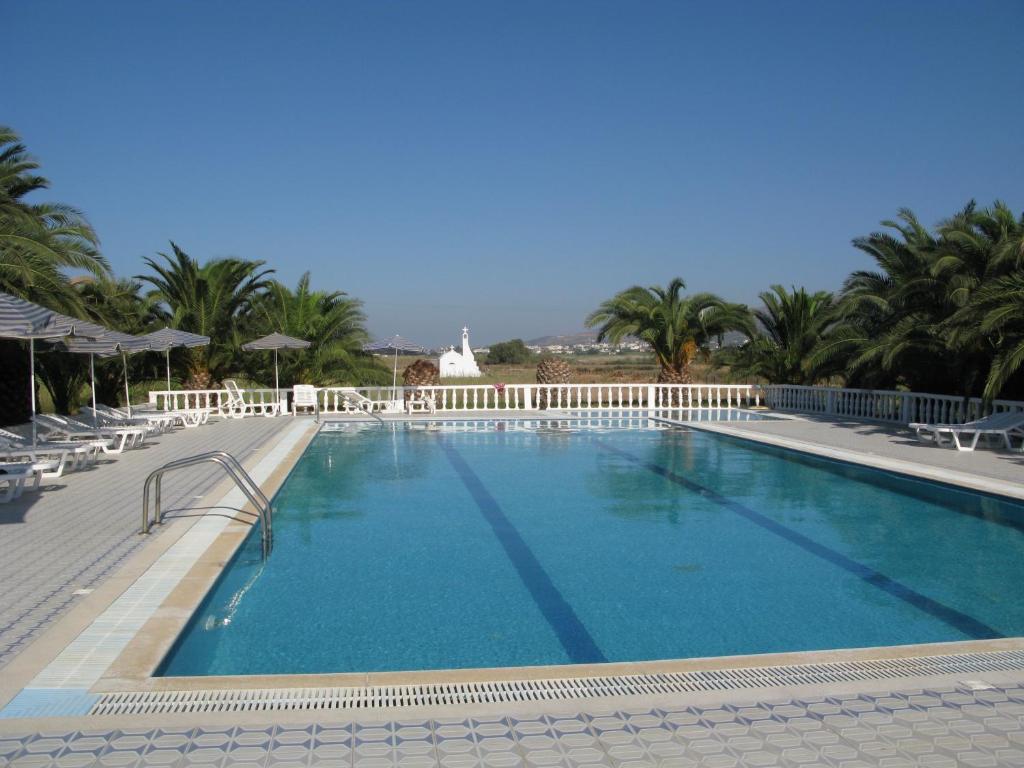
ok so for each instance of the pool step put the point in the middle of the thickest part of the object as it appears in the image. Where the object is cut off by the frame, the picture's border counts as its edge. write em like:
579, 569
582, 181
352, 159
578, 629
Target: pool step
560, 689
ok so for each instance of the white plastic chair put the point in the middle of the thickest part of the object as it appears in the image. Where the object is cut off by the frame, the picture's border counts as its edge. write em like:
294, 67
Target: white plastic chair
303, 396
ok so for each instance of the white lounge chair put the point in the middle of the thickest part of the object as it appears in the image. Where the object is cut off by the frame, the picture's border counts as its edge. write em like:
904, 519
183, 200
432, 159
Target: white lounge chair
421, 402
77, 454
303, 396
355, 402
110, 440
15, 476
136, 433
114, 421
51, 462
966, 437
185, 417
236, 406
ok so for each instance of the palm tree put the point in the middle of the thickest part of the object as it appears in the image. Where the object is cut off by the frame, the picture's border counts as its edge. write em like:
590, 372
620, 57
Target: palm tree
676, 327
791, 324
889, 329
39, 240
38, 243
995, 314
334, 324
211, 299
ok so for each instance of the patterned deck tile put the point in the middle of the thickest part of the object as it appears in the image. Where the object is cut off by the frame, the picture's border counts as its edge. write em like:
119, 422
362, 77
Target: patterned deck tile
60, 555
890, 730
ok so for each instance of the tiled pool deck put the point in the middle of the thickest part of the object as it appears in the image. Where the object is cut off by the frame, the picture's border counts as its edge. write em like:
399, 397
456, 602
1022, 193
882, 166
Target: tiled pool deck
940, 727
47, 552
81, 527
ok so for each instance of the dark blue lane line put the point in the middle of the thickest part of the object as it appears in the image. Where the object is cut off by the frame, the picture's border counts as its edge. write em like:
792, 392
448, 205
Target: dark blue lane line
959, 621
573, 636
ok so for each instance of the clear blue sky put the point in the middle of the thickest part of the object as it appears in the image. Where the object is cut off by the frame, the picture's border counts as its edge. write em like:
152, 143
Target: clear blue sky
508, 165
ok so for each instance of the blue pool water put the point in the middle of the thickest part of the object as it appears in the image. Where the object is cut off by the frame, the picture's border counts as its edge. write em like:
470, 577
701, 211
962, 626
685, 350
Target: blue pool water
492, 544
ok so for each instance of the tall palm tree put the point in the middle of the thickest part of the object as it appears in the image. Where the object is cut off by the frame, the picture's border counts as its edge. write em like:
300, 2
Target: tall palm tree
918, 321
889, 329
211, 299
39, 242
333, 322
790, 325
676, 327
995, 314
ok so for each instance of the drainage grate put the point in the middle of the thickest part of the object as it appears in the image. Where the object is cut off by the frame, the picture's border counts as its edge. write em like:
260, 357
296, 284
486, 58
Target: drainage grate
388, 697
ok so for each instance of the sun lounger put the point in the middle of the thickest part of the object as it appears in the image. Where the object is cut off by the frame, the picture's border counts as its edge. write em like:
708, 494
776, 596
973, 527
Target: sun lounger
421, 402
354, 402
236, 406
111, 440
136, 434
15, 476
1001, 427
52, 463
105, 419
185, 417
80, 454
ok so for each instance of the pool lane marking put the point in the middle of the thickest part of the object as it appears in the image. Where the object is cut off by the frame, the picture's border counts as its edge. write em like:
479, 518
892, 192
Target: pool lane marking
954, 618
573, 636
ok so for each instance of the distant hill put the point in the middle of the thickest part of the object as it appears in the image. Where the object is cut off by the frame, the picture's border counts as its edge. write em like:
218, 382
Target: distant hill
583, 337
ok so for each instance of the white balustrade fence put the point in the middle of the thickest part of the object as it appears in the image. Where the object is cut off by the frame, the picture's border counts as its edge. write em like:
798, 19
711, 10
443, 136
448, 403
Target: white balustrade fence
890, 406
205, 399
574, 397
487, 397
883, 405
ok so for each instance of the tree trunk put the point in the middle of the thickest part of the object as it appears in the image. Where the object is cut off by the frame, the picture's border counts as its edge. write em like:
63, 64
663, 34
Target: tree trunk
674, 376
15, 402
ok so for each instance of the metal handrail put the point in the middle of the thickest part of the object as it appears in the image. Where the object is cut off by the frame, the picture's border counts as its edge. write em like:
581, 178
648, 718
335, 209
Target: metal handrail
374, 415
230, 464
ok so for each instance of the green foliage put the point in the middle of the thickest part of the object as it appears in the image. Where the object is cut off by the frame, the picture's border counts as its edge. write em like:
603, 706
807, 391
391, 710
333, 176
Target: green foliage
229, 300
676, 327
39, 241
330, 320
513, 352
790, 326
928, 318
210, 299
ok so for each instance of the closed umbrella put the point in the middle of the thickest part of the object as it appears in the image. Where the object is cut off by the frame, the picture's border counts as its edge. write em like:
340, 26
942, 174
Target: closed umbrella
167, 339
276, 341
112, 344
20, 319
394, 344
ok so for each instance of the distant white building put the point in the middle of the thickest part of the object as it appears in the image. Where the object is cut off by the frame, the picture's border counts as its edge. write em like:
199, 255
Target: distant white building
459, 364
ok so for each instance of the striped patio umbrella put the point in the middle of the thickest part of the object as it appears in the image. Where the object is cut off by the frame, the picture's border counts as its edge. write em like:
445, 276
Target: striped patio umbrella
167, 339
110, 345
20, 319
276, 341
394, 344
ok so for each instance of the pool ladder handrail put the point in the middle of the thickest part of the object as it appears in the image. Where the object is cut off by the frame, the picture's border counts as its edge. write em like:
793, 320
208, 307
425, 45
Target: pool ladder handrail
231, 465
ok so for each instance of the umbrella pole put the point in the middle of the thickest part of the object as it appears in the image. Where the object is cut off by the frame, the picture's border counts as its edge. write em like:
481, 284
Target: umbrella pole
168, 351
32, 384
92, 374
127, 397
394, 378
277, 379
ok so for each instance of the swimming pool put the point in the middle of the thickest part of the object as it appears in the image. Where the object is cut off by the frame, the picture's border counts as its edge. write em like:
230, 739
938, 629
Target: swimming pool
494, 544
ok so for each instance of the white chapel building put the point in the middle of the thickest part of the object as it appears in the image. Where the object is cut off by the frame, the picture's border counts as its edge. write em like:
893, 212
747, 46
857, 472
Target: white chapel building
459, 365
